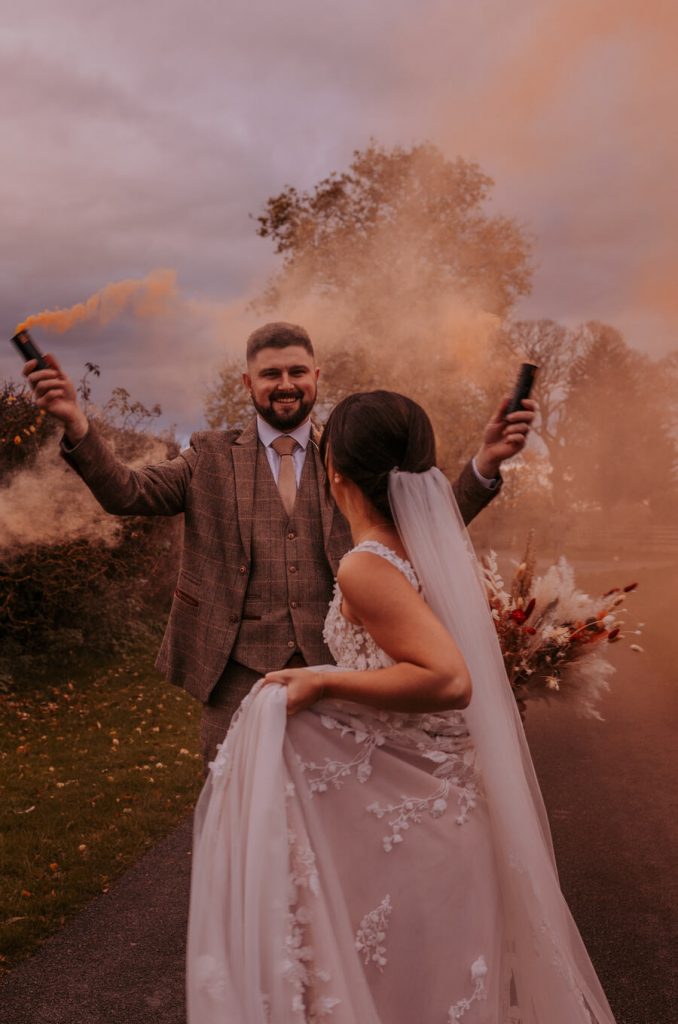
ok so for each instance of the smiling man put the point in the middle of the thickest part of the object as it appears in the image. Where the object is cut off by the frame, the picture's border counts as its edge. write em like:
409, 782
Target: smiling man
262, 539
281, 376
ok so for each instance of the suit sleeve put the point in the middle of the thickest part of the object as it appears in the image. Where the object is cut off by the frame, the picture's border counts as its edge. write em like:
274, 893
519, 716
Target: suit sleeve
472, 496
158, 490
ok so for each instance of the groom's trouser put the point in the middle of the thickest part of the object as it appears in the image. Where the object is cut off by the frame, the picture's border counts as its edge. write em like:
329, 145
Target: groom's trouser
235, 683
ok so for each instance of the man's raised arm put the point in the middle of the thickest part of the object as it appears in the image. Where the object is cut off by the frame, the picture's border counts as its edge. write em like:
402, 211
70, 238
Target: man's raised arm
504, 436
154, 490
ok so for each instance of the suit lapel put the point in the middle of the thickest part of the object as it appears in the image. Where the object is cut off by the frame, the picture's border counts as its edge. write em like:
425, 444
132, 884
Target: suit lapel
244, 453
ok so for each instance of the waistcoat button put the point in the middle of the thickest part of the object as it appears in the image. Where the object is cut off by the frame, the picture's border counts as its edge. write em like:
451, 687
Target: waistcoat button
291, 535
233, 617
242, 570
293, 568
293, 604
290, 643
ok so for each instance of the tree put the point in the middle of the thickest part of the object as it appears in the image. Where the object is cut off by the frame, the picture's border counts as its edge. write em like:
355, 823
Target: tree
227, 404
616, 445
401, 276
553, 348
400, 227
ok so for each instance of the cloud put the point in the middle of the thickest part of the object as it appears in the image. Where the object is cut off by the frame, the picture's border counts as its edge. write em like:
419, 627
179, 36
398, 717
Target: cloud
143, 136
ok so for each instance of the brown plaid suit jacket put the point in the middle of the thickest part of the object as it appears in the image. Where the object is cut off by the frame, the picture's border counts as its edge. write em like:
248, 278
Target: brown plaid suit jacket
212, 484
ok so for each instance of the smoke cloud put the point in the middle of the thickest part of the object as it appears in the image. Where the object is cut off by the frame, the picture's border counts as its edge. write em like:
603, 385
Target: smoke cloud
49, 504
144, 298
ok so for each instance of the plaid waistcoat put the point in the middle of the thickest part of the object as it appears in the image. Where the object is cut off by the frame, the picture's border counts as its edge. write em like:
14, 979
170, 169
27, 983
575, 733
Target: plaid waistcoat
290, 580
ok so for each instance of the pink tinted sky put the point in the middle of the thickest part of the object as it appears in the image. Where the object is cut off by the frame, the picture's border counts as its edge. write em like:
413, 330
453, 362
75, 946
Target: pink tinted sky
142, 135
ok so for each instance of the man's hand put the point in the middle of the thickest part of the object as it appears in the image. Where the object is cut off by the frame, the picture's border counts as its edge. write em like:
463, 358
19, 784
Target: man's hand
504, 437
304, 687
55, 393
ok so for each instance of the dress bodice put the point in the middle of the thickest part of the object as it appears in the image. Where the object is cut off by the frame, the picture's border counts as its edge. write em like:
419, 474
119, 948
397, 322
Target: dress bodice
351, 646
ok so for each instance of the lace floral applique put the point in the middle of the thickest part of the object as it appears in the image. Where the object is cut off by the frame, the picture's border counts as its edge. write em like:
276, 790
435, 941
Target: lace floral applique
352, 646
298, 965
458, 769
319, 776
478, 973
410, 811
372, 932
454, 769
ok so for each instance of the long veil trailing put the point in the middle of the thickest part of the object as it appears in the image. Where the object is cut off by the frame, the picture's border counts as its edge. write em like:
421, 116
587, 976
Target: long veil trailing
552, 978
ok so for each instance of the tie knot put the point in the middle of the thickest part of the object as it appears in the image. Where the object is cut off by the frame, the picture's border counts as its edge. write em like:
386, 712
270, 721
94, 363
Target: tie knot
284, 445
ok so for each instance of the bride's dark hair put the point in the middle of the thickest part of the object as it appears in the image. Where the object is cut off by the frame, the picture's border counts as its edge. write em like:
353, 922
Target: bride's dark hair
371, 432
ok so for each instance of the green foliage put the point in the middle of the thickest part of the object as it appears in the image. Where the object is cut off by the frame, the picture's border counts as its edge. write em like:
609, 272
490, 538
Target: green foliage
85, 597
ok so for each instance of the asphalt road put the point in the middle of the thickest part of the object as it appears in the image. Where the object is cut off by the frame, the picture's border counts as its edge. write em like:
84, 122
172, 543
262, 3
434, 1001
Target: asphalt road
610, 789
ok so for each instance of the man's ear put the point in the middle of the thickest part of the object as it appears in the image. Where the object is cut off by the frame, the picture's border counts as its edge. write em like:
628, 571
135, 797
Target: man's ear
247, 381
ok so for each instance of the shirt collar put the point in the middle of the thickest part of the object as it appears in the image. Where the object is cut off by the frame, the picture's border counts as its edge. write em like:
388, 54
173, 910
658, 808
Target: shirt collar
267, 433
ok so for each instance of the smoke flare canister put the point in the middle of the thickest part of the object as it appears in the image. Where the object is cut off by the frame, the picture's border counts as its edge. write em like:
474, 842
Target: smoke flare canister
528, 372
28, 349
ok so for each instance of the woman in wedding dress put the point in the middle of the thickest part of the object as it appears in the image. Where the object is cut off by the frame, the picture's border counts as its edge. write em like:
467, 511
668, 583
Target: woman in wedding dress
371, 846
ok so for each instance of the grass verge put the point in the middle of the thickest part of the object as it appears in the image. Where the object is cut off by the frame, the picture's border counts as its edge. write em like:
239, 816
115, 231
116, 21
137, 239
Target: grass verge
94, 769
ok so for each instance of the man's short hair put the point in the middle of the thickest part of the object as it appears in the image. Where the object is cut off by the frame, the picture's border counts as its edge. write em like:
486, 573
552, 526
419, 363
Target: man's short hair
278, 335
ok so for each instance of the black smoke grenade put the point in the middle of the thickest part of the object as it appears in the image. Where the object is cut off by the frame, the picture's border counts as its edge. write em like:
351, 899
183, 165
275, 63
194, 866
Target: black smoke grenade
29, 350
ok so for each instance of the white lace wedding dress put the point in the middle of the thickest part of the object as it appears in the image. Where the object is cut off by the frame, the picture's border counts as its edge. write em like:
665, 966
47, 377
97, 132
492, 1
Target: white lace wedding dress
343, 865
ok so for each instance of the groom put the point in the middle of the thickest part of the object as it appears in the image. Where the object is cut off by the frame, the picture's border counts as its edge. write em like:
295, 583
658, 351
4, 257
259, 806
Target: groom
262, 538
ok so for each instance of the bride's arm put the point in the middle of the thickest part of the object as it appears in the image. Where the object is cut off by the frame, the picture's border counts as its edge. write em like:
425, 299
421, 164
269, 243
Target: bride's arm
430, 673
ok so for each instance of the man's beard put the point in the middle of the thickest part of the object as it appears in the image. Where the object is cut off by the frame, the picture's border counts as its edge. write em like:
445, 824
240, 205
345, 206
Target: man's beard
287, 419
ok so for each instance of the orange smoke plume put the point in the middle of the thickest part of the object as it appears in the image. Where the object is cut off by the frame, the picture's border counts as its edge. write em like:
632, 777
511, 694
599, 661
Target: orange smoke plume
145, 297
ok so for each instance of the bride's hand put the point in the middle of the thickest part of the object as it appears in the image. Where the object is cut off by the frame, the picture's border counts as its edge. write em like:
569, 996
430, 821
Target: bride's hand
304, 687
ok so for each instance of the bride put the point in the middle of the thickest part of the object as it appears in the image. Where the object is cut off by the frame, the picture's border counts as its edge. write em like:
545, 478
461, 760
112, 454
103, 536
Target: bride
371, 846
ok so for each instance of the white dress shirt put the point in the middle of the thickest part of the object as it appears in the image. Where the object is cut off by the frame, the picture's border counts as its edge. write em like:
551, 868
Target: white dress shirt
302, 435
268, 434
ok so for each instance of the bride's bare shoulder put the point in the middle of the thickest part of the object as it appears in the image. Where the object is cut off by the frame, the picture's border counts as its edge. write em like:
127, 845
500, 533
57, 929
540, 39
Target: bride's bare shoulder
364, 572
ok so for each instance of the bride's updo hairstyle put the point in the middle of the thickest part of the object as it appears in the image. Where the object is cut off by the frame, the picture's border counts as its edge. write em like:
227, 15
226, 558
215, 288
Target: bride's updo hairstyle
370, 433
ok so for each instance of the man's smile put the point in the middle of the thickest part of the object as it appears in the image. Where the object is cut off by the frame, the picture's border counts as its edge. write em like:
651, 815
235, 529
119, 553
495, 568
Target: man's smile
285, 400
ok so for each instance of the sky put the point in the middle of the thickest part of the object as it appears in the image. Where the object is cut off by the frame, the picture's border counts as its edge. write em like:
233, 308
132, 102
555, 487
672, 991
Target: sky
142, 138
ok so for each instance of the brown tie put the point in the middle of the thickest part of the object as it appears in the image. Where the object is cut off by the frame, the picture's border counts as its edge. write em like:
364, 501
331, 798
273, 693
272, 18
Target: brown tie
287, 478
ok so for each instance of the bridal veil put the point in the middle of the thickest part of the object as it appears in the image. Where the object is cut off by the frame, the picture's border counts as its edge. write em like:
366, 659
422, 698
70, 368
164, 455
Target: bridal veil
552, 978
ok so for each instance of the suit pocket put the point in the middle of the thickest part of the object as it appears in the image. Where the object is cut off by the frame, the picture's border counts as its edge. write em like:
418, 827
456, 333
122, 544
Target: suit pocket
188, 589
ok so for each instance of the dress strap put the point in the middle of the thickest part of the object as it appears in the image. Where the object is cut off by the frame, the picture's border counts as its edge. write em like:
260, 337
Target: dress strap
375, 547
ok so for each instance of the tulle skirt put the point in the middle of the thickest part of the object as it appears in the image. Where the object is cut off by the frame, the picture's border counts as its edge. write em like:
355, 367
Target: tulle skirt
343, 871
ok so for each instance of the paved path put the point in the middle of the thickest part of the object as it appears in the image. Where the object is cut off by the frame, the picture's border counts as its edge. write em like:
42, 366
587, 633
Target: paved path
611, 792
121, 960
